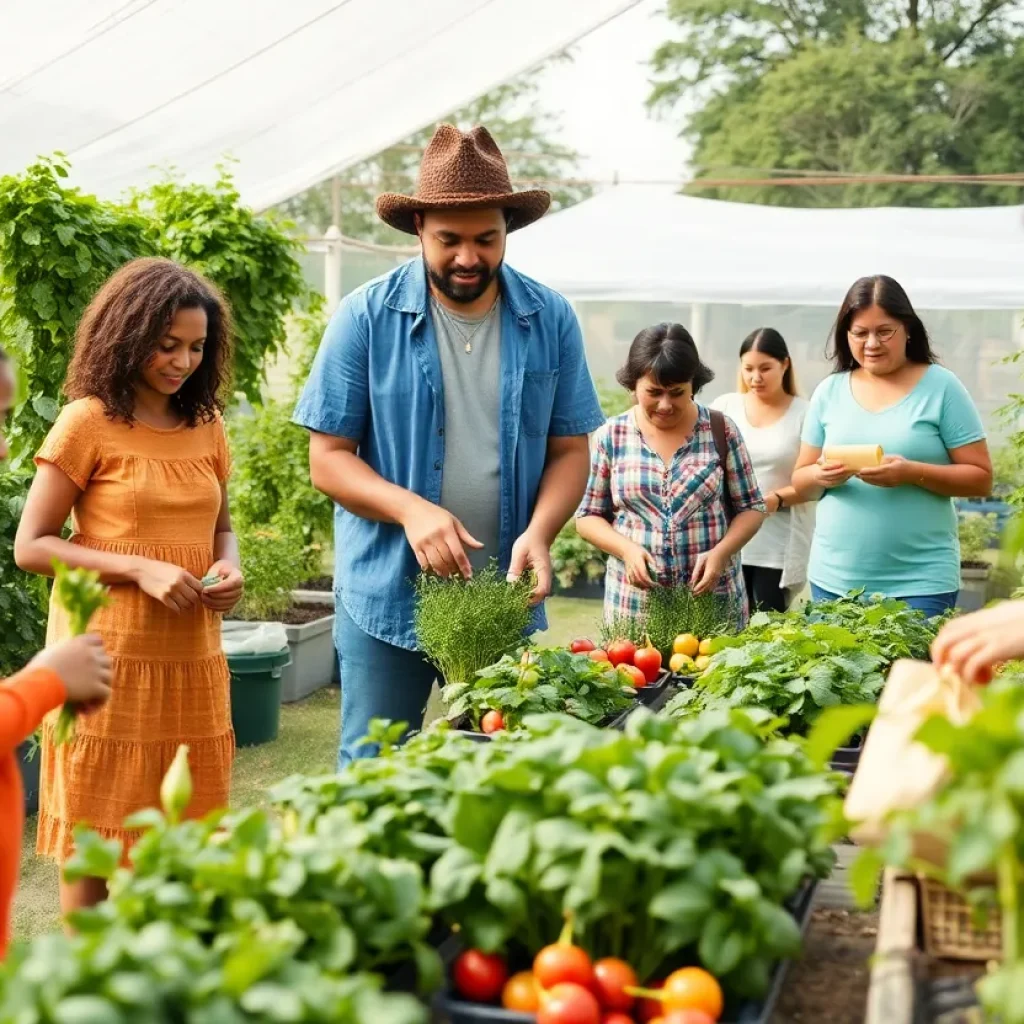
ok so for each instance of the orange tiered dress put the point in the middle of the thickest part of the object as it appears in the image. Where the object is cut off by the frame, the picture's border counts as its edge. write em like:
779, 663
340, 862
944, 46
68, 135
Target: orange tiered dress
156, 494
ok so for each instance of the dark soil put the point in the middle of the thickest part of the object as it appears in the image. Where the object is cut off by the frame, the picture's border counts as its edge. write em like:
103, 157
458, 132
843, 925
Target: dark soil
300, 614
830, 982
323, 584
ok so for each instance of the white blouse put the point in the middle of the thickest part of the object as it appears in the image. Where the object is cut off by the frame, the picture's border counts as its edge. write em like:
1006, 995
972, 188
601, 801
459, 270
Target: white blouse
783, 542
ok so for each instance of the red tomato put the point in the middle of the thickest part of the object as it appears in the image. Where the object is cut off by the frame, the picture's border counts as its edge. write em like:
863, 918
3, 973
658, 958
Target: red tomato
599, 655
635, 676
479, 976
493, 721
649, 1009
569, 1004
615, 1017
621, 652
562, 962
612, 978
582, 645
648, 660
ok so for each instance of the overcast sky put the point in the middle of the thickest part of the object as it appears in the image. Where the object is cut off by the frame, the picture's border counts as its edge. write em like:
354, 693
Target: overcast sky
602, 94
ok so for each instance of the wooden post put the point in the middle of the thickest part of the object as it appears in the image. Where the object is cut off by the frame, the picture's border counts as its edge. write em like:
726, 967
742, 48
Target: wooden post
891, 994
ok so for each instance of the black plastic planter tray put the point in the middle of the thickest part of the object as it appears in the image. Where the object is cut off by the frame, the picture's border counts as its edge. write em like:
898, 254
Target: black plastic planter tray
451, 1010
945, 1000
846, 759
653, 693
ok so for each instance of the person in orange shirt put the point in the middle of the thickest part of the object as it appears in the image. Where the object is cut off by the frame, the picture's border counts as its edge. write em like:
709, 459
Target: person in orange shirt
77, 670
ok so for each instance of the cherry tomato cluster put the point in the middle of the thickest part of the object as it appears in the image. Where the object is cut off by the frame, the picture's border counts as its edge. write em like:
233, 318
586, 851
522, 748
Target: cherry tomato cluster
566, 987
641, 664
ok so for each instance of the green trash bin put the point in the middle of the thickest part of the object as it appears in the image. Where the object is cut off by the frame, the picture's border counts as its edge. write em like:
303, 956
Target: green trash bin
256, 695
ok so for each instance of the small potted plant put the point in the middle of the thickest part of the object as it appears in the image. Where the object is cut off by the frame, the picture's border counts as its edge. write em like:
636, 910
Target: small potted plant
977, 531
578, 566
275, 560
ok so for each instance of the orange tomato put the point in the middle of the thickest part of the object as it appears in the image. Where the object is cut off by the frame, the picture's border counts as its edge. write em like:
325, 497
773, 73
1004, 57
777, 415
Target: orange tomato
521, 993
692, 988
686, 643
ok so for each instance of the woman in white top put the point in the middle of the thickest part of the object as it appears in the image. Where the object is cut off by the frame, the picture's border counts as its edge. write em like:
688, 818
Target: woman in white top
770, 417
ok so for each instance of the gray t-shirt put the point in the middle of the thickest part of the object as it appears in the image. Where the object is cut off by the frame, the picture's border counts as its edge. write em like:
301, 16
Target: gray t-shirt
470, 480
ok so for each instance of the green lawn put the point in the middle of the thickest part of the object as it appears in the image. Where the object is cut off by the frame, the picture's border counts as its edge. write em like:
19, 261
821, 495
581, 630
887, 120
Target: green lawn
307, 743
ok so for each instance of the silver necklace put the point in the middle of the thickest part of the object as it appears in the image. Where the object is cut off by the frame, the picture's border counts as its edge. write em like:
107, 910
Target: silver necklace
467, 339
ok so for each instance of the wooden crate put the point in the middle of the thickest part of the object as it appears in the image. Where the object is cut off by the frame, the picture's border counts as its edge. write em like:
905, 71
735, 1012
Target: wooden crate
948, 926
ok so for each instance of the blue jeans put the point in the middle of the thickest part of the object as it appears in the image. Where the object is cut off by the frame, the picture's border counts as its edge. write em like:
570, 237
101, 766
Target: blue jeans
378, 680
930, 604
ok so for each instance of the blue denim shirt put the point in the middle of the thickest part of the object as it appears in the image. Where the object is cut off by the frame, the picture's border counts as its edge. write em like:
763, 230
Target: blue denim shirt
377, 380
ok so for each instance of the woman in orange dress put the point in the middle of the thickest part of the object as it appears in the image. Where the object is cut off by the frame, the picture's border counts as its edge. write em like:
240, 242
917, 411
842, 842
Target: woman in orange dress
139, 459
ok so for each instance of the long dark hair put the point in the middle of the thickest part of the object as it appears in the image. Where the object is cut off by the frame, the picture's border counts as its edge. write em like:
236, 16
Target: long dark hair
668, 354
122, 326
889, 295
771, 343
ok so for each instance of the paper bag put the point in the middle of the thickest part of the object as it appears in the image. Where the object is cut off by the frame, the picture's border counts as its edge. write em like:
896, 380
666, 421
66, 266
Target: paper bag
895, 772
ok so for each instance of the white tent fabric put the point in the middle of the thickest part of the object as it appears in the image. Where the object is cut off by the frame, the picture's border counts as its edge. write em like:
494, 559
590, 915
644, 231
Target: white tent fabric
647, 244
294, 91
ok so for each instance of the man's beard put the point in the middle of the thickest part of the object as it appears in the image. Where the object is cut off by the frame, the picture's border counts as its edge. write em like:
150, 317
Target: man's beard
447, 285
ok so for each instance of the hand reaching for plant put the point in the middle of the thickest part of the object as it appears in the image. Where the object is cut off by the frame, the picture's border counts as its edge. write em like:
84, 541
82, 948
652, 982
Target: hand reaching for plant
707, 571
640, 568
84, 667
531, 552
973, 645
225, 594
439, 540
171, 585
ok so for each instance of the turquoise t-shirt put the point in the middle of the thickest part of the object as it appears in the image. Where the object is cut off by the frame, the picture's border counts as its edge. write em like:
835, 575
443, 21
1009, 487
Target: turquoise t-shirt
899, 541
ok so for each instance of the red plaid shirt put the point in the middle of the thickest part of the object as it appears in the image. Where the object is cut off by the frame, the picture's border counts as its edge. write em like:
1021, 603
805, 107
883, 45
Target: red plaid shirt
675, 511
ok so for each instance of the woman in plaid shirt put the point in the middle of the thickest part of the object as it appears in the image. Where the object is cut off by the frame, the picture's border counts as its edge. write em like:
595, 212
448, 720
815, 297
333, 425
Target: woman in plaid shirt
656, 501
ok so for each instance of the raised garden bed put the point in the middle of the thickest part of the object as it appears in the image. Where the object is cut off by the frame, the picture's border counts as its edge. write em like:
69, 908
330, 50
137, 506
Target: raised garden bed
450, 1008
310, 632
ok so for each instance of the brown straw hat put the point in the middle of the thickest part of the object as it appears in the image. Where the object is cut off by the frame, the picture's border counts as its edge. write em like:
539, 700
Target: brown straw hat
463, 171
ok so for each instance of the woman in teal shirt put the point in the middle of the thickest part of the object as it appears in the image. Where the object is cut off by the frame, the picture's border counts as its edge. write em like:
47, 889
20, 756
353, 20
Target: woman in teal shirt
890, 529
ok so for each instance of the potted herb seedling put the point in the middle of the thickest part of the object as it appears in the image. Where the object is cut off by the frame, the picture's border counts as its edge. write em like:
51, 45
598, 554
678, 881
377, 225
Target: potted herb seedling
976, 532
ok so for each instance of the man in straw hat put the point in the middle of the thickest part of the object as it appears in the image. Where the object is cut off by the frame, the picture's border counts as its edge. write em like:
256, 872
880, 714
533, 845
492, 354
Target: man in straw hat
449, 406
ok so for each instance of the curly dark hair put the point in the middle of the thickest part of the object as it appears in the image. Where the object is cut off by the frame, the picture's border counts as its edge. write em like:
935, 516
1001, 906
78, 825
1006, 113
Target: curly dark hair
119, 332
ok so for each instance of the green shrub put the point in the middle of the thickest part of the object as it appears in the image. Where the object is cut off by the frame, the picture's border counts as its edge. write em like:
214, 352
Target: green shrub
273, 565
573, 558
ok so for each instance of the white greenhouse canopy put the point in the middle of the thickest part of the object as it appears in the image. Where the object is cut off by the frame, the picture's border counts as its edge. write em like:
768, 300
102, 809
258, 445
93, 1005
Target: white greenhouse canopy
636, 243
294, 91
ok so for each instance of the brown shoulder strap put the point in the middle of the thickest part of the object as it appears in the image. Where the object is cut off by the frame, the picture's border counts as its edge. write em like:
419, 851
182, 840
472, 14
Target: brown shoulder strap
722, 447
718, 433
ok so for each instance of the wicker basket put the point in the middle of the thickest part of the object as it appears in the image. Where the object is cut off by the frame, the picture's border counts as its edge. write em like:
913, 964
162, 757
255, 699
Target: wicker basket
949, 930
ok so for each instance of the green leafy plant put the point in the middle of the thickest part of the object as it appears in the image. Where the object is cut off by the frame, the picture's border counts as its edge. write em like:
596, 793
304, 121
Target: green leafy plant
465, 625
675, 610
250, 256
802, 669
624, 627
274, 562
163, 974
573, 558
22, 596
544, 679
977, 530
80, 593
883, 624
669, 843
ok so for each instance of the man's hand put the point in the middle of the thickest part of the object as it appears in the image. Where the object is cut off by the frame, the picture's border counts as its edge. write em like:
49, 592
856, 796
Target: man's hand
438, 539
531, 552
893, 472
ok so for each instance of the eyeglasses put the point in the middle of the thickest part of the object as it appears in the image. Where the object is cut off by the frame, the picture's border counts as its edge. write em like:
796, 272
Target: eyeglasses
883, 334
